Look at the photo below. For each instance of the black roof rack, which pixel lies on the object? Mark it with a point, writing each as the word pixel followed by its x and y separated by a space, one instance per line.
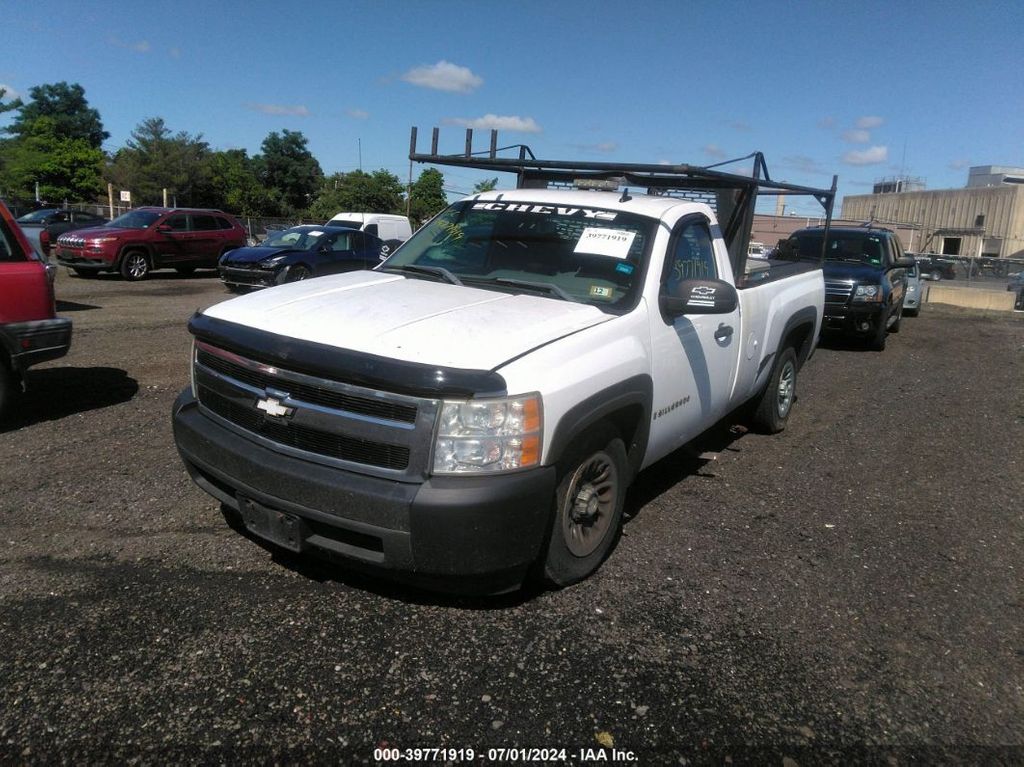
pixel 732 195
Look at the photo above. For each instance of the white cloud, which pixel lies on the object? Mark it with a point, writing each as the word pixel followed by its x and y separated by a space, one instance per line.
pixel 741 126
pixel 857 136
pixel 497 122
pixel 11 94
pixel 869 122
pixel 713 150
pixel 873 156
pixel 604 147
pixel 139 46
pixel 444 76
pixel 357 114
pixel 827 123
pixel 279 109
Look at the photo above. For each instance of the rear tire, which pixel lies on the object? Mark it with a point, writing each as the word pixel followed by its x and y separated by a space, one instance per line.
pixel 134 266
pixel 776 401
pixel 588 506
pixel 9 391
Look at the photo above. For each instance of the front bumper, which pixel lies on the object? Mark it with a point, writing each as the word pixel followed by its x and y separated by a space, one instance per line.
pixel 850 318
pixel 455 533
pixel 82 259
pixel 38 341
pixel 249 278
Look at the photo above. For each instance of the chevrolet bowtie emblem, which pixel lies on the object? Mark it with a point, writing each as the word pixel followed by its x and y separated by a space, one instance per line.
pixel 273 408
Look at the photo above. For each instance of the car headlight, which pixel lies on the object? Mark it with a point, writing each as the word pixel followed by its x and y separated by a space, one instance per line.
pixel 270 263
pixel 867 293
pixel 488 435
pixel 911 288
pixel 95 242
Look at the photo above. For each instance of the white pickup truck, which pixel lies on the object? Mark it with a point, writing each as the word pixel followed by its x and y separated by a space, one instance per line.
pixel 472 412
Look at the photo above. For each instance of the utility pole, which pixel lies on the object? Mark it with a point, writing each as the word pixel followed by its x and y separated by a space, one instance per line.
pixel 360 154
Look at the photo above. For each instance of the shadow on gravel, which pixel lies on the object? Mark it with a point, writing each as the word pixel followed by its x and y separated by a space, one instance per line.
pixel 74 306
pixel 660 477
pixel 841 343
pixel 321 568
pixel 55 393
pixel 166 275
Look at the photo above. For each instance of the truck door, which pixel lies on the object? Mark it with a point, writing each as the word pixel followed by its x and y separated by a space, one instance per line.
pixel 695 355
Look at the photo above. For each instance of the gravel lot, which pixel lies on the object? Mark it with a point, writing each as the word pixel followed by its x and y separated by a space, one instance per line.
pixel 849 590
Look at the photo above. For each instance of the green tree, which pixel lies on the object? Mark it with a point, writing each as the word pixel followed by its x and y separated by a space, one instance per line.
pixel 66 106
pixel 155 159
pixel 235 186
pixel 428 197
pixel 66 169
pixel 377 192
pixel 287 166
pixel 485 186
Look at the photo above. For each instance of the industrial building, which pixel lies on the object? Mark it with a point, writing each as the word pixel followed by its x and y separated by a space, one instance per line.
pixel 983 219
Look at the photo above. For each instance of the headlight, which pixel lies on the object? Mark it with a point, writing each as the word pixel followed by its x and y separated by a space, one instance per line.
pixel 270 263
pixel 912 288
pixel 95 242
pixel 477 436
pixel 867 293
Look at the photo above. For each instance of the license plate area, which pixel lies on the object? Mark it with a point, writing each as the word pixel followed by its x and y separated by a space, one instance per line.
pixel 285 530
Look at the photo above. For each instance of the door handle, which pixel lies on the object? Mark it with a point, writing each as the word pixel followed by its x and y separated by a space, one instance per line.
pixel 724 331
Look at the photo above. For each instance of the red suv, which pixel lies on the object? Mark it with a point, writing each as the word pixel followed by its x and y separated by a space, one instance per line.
pixel 29 330
pixel 144 239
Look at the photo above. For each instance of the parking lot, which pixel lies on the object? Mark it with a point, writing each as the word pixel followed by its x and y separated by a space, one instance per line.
pixel 848 590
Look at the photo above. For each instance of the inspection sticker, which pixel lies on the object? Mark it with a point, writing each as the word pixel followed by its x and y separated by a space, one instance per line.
pixel 614 243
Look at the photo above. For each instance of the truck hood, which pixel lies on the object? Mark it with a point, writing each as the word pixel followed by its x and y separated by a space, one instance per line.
pixel 847 270
pixel 410 319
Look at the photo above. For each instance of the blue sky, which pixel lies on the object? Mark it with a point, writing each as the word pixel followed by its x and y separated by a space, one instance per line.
pixel 863 90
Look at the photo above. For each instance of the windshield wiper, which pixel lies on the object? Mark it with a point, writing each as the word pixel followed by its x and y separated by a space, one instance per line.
pixel 432 271
pixel 543 287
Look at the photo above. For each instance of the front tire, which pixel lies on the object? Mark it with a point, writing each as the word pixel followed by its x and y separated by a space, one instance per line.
pixel 134 266
pixel 298 273
pixel 588 506
pixel 776 401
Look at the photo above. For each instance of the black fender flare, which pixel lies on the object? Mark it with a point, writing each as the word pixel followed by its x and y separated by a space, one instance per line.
pixel 807 316
pixel 627 405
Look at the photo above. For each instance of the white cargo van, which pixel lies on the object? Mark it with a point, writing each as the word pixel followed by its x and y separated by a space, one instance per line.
pixel 394 230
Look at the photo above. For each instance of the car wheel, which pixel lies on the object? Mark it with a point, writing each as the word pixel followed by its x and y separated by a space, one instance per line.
pixel 912 312
pixel 10 390
pixel 298 273
pixel 773 406
pixel 935 276
pixel 877 340
pixel 895 327
pixel 588 506
pixel 134 266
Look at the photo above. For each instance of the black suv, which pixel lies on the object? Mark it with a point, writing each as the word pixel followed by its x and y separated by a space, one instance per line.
pixel 865 278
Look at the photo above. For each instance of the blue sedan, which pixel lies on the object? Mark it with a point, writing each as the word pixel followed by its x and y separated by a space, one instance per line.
pixel 297 254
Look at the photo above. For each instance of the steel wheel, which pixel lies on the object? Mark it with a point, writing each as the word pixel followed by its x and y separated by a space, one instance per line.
pixel 786 389
pixel 590 504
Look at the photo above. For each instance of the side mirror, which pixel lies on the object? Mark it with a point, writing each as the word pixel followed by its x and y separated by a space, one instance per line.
pixel 699 297
pixel 903 263
pixel 164 228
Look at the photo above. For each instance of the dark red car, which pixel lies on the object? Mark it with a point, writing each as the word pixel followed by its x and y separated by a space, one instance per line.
pixel 144 239
pixel 30 332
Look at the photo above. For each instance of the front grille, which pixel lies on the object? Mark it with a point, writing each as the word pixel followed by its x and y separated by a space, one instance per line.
pixel 315 395
pixel 837 292
pixel 300 437
pixel 325 420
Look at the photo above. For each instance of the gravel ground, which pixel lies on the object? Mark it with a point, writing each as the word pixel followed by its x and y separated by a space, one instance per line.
pixel 849 590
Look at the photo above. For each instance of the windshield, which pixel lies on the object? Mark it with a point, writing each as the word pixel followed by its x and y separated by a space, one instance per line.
pixel 855 247
pixel 134 219
pixel 35 216
pixel 296 238
pixel 588 255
